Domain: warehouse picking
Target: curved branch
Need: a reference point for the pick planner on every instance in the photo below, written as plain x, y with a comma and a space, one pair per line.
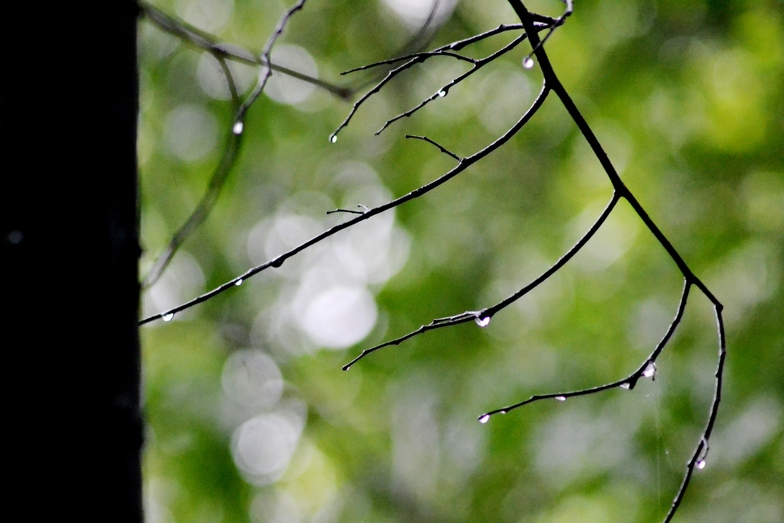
482, 318
464, 164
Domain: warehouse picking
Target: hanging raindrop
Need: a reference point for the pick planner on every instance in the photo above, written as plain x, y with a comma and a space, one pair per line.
560, 398
650, 371
238, 282
168, 316
484, 419
333, 138
442, 93
483, 321
701, 464
528, 63
238, 127
626, 386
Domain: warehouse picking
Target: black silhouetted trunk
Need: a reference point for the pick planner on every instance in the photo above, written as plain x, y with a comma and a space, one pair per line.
73, 429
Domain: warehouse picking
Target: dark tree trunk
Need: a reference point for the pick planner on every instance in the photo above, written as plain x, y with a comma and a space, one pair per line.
70, 246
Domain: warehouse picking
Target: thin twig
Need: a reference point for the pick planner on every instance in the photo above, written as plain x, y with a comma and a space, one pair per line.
477, 64
420, 58
556, 24
364, 208
443, 50
440, 147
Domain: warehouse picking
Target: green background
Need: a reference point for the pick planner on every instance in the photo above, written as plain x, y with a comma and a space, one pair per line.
249, 415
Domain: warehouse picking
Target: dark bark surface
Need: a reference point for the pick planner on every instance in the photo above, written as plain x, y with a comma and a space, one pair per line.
70, 250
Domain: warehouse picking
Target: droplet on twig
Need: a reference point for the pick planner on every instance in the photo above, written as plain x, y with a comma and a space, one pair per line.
700, 464
650, 371
238, 282
528, 62
333, 138
626, 385
168, 316
483, 321
484, 419
442, 93
560, 398
238, 127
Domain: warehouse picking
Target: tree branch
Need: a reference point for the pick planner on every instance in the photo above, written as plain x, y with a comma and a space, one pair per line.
482, 318
464, 164
203, 40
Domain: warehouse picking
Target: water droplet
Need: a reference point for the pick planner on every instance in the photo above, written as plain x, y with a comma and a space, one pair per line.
626, 386
238, 127
276, 263
701, 464
238, 282
168, 316
560, 398
333, 138
650, 370
528, 63
442, 93
484, 419
483, 322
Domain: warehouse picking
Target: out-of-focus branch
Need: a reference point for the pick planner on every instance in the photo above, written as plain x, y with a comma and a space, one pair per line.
210, 43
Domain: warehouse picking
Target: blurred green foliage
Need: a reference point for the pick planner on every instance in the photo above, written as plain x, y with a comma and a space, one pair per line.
249, 416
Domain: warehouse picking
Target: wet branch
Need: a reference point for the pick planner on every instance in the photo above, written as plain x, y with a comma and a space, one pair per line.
439, 146
464, 164
482, 318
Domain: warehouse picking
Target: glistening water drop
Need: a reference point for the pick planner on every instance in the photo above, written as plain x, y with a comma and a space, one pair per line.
650, 370
238, 282
168, 316
334, 138
528, 63
483, 322
442, 93
238, 127
560, 398
484, 419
